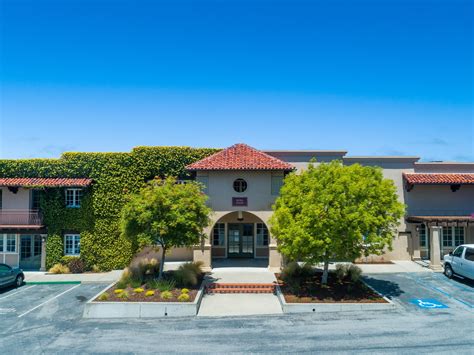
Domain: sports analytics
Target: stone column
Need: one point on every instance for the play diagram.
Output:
(435, 252)
(202, 252)
(274, 257)
(43, 253)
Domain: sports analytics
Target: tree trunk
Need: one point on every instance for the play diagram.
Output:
(324, 280)
(162, 261)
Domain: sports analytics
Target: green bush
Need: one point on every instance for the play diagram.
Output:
(144, 268)
(76, 265)
(161, 285)
(184, 290)
(135, 283)
(166, 295)
(123, 295)
(295, 275)
(354, 273)
(104, 296)
(341, 272)
(187, 275)
(184, 297)
(59, 269)
(348, 272)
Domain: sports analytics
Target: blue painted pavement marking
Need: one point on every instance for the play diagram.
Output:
(429, 303)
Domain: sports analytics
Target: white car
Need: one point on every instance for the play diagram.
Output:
(460, 262)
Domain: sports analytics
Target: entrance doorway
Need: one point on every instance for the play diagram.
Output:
(240, 242)
(30, 252)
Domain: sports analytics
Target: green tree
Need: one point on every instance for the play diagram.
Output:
(335, 212)
(166, 214)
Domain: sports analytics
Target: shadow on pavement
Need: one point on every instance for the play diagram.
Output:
(387, 288)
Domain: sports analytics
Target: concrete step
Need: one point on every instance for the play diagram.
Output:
(240, 288)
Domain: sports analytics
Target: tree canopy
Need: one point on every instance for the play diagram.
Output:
(335, 212)
(167, 214)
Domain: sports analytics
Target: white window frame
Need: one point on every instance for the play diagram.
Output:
(74, 251)
(452, 243)
(76, 198)
(4, 243)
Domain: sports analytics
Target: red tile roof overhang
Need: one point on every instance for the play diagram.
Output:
(45, 182)
(439, 178)
(240, 157)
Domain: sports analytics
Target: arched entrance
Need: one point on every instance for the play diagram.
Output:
(240, 236)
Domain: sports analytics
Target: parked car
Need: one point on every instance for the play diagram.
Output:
(11, 276)
(460, 262)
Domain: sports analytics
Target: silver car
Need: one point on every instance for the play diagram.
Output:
(11, 276)
(460, 262)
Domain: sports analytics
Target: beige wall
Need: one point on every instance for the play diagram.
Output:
(18, 201)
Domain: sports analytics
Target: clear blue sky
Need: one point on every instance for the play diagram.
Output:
(376, 77)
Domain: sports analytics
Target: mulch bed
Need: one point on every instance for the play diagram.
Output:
(334, 292)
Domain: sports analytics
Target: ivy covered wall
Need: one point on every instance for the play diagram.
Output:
(115, 175)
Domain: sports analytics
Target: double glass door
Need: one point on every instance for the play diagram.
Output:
(30, 252)
(240, 241)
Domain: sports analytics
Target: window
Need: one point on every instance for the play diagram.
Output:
(423, 236)
(8, 243)
(72, 244)
(73, 197)
(218, 235)
(204, 180)
(453, 236)
(262, 235)
(240, 185)
(5, 268)
(35, 199)
(277, 183)
(469, 254)
(458, 252)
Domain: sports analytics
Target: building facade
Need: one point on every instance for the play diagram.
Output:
(242, 184)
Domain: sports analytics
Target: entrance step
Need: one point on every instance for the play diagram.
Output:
(218, 287)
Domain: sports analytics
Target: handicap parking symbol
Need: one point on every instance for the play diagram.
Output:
(428, 303)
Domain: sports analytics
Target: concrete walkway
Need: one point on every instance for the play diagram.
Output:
(220, 305)
(103, 277)
(401, 266)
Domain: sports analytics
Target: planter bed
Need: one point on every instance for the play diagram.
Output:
(335, 296)
(140, 306)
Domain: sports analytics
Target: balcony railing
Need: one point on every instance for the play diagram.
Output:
(20, 218)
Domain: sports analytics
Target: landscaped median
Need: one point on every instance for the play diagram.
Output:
(300, 290)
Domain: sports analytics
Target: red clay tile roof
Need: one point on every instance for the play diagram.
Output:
(240, 157)
(47, 182)
(437, 178)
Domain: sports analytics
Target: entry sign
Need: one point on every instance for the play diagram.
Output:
(429, 303)
(239, 201)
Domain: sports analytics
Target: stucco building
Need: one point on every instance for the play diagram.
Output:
(242, 184)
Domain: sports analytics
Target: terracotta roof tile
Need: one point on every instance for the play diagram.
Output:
(438, 178)
(240, 157)
(48, 182)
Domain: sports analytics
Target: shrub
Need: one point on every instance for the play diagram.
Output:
(76, 266)
(135, 283)
(348, 272)
(184, 297)
(138, 290)
(122, 284)
(188, 274)
(123, 295)
(166, 295)
(118, 291)
(295, 275)
(185, 291)
(161, 285)
(104, 296)
(354, 273)
(95, 268)
(149, 293)
(59, 269)
(144, 268)
(341, 272)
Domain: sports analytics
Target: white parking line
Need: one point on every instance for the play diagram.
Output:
(14, 293)
(52, 298)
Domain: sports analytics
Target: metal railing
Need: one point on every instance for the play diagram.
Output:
(20, 217)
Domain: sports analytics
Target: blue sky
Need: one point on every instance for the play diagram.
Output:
(373, 77)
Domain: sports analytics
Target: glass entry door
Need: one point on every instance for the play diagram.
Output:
(240, 240)
(30, 252)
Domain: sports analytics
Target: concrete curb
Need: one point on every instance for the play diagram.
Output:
(332, 307)
(141, 309)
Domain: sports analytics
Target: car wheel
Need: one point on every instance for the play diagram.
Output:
(448, 271)
(19, 281)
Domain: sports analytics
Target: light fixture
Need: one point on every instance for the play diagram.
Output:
(240, 216)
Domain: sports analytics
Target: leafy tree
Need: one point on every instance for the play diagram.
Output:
(335, 212)
(166, 214)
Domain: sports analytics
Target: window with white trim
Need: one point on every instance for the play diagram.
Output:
(218, 235)
(73, 197)
(453, 236)
(72, 244)
(262, 235)
(8, 243)
(423, 236)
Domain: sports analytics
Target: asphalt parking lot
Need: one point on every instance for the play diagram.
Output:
(48, 319)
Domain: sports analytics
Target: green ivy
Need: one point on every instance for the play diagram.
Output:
(115, 176)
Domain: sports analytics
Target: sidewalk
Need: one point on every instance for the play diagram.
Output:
(43, 277)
